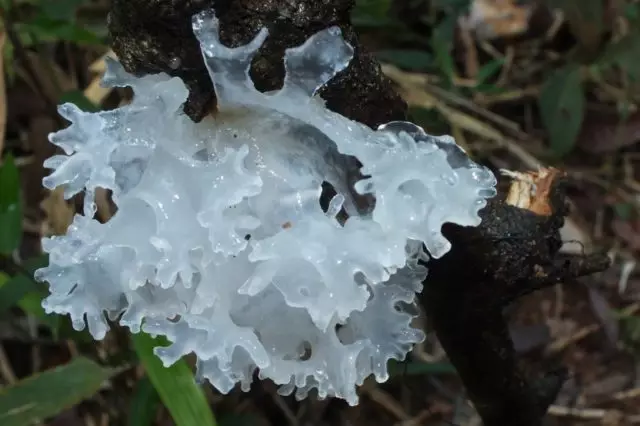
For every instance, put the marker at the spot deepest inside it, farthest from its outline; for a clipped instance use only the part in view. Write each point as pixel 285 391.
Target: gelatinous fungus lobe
pixel 220 243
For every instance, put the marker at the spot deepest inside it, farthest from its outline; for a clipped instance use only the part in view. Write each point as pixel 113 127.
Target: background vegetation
pixel 518 83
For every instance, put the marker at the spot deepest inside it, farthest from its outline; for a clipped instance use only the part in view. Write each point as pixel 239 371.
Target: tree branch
pixel 513 252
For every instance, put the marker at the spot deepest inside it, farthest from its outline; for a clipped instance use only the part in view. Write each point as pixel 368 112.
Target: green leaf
pixel 413 60
pixel 60 9
pixel 15 289
pixel 10 207
pixel 631 12
pixel 488 70
pixel 44 395
pixel 46 29
pixel 630 331
pixel 23 291
pixel 32 304
pixel 78 98
pixel 623 54
pixel 442 44
pixel 562 105
pixel 144 404
pixel 31 264
pixel 491 89
pixel 453 7
pixel 175 384
pixel 371 9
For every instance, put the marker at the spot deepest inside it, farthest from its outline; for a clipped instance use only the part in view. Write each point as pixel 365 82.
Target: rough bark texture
pixel 151 36
pixel 512 253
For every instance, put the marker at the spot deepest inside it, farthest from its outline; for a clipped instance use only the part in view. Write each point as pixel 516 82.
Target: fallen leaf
pixel 59 212
pixel 490 19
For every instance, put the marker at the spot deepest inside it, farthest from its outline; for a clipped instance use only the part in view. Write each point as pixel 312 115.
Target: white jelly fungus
pixel 219 242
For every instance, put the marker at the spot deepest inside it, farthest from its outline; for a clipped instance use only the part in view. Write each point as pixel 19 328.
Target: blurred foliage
pixel 36 22
pixel 562 106
pixel 51 392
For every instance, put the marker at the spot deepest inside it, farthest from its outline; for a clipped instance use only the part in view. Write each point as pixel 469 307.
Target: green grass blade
pixel 176 386
pixel 144 404
pixel 46 394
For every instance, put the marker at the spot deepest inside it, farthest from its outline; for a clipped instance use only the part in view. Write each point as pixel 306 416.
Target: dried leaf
pixel 59 212
pixel 491 19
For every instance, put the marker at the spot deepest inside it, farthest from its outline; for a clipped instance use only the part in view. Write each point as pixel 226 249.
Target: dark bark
pixel 512 253
pixel 152 36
